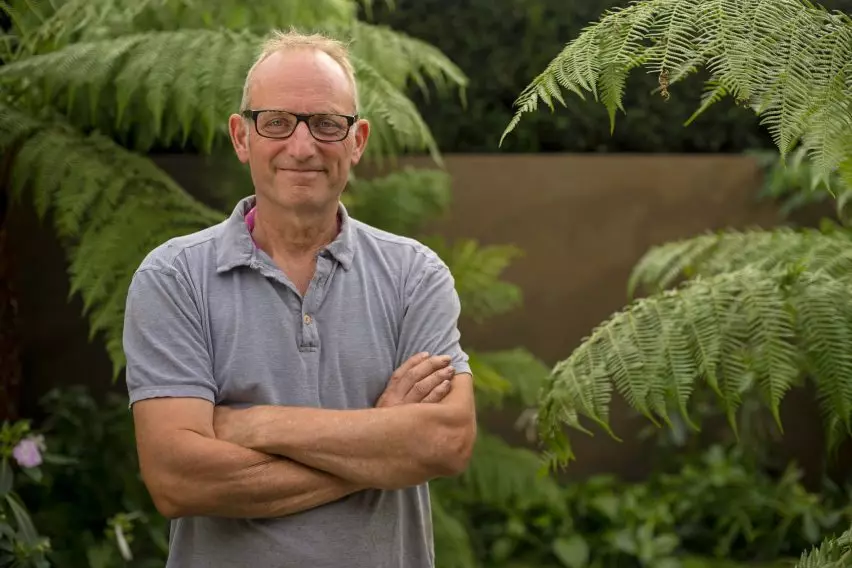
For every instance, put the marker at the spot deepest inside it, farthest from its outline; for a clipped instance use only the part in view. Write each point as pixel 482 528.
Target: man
pixel 295 375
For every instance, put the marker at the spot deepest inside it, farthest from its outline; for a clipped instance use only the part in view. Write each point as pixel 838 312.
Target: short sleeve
pixel 430 320
pixel 164 339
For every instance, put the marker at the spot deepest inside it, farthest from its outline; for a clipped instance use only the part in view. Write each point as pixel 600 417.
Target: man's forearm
pixel 385 448
pixel 205 476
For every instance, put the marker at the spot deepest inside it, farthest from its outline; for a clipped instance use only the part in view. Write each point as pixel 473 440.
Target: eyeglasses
pixel 280 124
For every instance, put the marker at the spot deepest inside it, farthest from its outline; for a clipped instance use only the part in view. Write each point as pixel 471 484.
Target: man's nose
pixel 301 144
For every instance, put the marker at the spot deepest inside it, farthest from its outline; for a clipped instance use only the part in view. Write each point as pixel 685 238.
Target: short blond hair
pixel 293 39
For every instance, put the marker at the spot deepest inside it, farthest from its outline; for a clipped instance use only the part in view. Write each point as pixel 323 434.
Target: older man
pixel 295 375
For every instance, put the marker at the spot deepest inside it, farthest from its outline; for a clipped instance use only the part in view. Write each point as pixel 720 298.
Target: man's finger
pixel 438 393
pixel 426 367
pixel 423 387
pixel 411 362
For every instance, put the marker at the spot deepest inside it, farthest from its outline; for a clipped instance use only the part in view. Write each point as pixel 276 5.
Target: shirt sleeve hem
pixel 171 392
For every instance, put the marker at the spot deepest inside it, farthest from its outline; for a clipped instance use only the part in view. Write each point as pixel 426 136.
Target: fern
pixel 401 58
pixel 476 271
pixel 452 543
pixel 109 207
pixel 831 553
pixel 400 202
pixel 742 331
pixel 730 250
pixel 128 89
pixel 62 22
pixel 789 61
pixel 503 477
pixel 524 373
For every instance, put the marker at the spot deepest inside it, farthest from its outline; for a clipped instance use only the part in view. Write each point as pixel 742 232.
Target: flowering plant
pixel 21 451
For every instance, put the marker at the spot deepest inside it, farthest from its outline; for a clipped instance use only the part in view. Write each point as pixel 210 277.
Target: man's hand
pixel 420 379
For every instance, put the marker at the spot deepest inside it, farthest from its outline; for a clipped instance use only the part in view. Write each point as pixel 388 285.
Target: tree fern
pixel 477 271
pixel 710 254
pixel 401 58
pixel 128 89
pixel 505 477
pixel 452 543
pixel 400 202
pixel 523 371
pixel 60 22
pixel 749 330
pixel 788 60
pixel 109 207
pixel 831 553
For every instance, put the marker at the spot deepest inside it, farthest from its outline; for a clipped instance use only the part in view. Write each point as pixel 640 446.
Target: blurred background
pixel 113 119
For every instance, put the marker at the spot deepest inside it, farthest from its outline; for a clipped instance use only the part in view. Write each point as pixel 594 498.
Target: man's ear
pixel 238 128
pixel 362 134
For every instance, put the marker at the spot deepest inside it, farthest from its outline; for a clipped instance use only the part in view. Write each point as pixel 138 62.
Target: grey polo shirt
pixel 211 316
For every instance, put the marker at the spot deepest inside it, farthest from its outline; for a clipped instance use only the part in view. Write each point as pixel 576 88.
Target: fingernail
pixel 447 371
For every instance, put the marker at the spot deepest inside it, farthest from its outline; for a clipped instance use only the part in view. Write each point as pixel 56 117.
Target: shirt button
pixel 308 319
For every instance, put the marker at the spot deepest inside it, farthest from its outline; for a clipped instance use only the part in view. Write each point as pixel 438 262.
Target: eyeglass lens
pixel 280 124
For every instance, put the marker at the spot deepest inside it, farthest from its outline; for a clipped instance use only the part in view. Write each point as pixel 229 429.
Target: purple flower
pixel 28 451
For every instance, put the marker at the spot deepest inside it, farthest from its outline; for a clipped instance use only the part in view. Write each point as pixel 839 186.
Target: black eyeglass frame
pixel 254 113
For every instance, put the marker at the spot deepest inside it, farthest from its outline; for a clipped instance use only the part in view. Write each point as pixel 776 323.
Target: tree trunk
pixel 10 342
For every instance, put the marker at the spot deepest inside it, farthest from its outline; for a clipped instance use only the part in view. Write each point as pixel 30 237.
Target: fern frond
pixel 833 552
pixel 739 331
pixel 506 477
pixel 476 270
pixel 400 202
pixel 823 313
pixel 109 207
pixel 788 60
pixel 597 61
pixel 401 58
pixel 522 370
pixel 397 126
pixel 452 542
pixel 71 21
pixel 490 383
pixel 710 254
pixel 127 88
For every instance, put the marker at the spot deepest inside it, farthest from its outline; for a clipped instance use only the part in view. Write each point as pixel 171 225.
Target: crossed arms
pixel 266 461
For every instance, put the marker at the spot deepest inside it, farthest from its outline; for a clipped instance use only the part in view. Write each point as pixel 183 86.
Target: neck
pixel 289 233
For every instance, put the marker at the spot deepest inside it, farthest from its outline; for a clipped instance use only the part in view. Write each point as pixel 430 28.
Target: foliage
pixel 105 515
pixel 85 90
pixel 21 545
pixel 832 553
pixel 497 42
pixel 787 60
pixel 790 183
pixel 683 517
pixel 757 323
pixel 85 87
pixel 826 251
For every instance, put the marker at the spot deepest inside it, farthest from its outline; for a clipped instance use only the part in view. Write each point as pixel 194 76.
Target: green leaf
pixel 573 551
pixel 26 528
pixel 33 473
pixel 7 477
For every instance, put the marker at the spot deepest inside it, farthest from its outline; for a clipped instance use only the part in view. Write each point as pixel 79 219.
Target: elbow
pixel 167 506
pixel 171 500
pixel 454 450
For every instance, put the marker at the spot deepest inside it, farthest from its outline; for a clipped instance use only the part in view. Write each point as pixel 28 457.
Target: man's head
pixel 307 167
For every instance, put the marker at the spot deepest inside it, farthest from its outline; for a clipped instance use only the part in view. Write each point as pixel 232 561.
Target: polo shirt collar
pixel 236 247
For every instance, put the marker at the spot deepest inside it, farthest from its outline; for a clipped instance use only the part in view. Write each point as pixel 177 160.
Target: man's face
pixel 299 172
